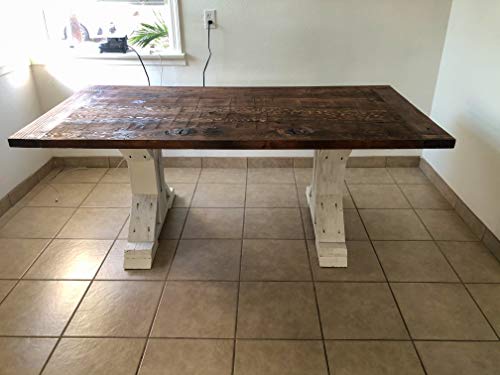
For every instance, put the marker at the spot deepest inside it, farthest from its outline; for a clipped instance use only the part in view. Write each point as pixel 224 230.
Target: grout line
pixel 318 311
pixel 239 276
pixel 84 293
pixel 495 341
pixel 164 286
pixel 50 241
pixel 261 280
pixel 391 290
pixel 464 285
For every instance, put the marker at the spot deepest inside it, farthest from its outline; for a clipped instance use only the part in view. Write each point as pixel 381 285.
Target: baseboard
pixel 18 192
pixel 468 216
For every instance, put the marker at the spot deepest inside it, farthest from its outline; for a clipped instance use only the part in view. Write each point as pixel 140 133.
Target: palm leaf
pixel 147 33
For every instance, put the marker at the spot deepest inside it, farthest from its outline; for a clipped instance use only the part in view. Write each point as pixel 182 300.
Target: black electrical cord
pixel 143 66
pixel 209 52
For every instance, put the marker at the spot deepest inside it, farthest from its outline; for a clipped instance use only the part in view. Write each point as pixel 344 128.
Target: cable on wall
pixel 142 63
pixel 209 52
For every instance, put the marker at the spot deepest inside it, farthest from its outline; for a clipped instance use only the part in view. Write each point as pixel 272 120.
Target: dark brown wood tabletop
pixel 341 117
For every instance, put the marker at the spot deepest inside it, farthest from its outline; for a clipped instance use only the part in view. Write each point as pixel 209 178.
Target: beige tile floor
pixel 236 288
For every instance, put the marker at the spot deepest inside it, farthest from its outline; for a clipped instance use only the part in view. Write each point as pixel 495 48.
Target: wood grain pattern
pixel 128 117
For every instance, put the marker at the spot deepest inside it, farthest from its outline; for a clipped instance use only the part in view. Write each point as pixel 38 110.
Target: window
pixel 152 26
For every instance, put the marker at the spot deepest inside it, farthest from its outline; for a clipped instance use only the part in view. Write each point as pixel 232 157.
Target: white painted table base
pixel 325 199
pixel 151 200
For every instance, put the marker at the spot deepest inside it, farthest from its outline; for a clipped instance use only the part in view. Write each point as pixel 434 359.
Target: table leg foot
pixel 332 254
pixel 139 255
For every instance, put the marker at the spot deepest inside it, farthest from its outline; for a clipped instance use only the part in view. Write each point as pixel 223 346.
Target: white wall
pixel 19 103
pixel 18 107
pixel 290 42
pixel 467 104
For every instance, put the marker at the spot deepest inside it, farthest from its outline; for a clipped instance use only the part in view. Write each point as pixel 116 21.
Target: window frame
pixel 172 56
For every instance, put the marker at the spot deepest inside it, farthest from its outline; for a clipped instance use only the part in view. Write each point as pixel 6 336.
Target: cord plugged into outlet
pixel 209 26
pixel 209 18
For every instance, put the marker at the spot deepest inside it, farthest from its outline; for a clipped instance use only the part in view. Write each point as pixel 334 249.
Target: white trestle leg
pixel 324 197
pixel 151 199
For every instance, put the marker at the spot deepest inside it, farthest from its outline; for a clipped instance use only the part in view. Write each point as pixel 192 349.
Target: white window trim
pixel 175 56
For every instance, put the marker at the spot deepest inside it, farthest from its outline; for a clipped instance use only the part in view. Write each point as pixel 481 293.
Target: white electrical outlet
pixel 209 15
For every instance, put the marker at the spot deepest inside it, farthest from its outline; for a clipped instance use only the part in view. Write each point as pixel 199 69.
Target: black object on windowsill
pixel 121 45
pixel 115 45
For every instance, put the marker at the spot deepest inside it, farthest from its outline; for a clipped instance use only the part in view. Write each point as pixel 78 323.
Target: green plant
pixel 148 33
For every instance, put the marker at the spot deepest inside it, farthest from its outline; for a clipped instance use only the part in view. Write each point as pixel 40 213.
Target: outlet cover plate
pixel 209 15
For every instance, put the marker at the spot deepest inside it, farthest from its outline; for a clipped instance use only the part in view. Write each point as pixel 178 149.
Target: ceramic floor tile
pixel 116 308
pixel 272 195
pixel 373 358
pixel 219 195
pixel 79 175
pixel 183 194
pixel 279 357
pixel 275 260
pixel 207 260
pixel 182 175
pixel 368 176
pixel 224 162
pixel 223 176
pixel 460 358
pixel 446 225
pixel 425 196
pixel 414 261
pixel 95 223
pixel 472 261
pixel 70 259
pixel 116 176
pixel 24 356
pixel 40 308
pixel 408 175
pixel 303 176
pixel 197 309
pixel 109 195
pixel 362 264
pixel 271 176
pixel 112 268
pixel 36 222
pixel 354 229
pixel 487 297
pixel 214 223
pixel 441 312
pixel 16 255
pixel 378 196
pixel 96 356
pixel 275 223
pixel 393 224
pixel 347 200
pixel 277 310
pixel 174 223
pixel 359 311
pixel 188 357
pixel 61 195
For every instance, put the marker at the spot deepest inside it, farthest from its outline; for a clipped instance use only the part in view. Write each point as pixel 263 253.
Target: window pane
pixel 85 24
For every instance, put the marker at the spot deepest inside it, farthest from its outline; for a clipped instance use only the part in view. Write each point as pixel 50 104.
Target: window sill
pixel 160 59
pixel 168 58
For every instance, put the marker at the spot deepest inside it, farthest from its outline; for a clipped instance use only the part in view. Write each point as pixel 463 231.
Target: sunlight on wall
pixel 18 77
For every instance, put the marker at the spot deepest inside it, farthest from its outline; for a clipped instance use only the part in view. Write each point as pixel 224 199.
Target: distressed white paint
pixel 151 199
pixel 324 197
